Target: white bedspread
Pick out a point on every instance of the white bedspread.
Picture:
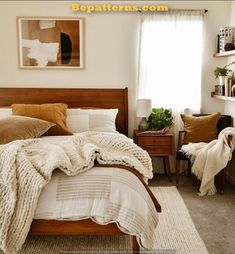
(105, 195)
(26, 167)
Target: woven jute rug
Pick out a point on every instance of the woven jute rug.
(176, 234)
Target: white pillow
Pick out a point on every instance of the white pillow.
(76, 122)
(80, 120)
(5, 112)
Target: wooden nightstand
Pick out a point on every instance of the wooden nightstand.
(157, 145)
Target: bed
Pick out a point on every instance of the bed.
(95, 98)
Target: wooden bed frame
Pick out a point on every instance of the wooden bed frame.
(74, 97)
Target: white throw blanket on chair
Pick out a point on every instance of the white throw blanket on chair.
(208, 159)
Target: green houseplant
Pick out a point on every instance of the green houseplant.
(160, 119)
(224, 71)
(221, 71)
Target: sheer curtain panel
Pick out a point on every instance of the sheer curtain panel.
(170, 61)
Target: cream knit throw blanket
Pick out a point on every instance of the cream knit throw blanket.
(208, 159)
(26, 167)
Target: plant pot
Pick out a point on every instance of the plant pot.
(222, 80)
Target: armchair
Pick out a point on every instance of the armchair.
(224, 121)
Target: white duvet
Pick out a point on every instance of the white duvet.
(104, 194)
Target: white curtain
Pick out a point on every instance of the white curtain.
(170, 61)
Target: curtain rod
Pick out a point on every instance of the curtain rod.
(205, 10)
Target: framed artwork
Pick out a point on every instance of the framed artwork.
(50, 43)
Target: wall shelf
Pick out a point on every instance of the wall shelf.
(224, 54)
(220, 97)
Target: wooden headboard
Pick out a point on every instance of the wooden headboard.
(73, 97)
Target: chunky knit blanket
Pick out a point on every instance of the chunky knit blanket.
(208, 159)
(26, 167)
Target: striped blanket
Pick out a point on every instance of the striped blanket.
(105, 195)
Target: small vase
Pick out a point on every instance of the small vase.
(222, 80)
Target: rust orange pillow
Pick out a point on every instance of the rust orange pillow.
(54, 113)
(200, 128)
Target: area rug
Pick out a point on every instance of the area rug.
(176, 234)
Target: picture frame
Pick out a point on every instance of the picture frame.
(51, 42)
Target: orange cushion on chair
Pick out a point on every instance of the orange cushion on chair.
(200, 128)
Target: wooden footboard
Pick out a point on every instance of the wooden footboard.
(81, 227)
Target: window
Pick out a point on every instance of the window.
(170, 60)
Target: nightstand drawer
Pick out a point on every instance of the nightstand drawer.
(157, 140)
(158, 149)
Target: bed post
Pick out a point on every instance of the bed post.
(135, 245)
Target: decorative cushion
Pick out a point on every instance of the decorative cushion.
(200, 128)
(80, 120)
(55, 113)
(22, 127)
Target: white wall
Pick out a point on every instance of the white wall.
(111, 48)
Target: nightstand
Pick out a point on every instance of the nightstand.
(157, 145)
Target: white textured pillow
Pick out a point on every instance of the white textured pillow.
(5, 112)
(80, 120)
(76, 122)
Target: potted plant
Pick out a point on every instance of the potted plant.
(221, 73)
(160, 119)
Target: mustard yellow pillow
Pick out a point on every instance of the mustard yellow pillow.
(200, 128)
(21, 127)
(54, 113)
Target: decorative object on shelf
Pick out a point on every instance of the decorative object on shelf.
(226, 90)
(231, 82)
(222, 80)
(229, 46)
(226, 36)
(233, 90)
(160, 120)
(143, 109)
(219, 90)
(221, 73)
(218, 43)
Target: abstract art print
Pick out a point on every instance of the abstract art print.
(50, 42)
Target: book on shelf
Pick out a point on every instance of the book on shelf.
(231, 82)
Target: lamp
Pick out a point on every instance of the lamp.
(143, 109)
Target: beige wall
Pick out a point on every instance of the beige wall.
(111, 49)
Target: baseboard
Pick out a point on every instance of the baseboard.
(230, 179)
